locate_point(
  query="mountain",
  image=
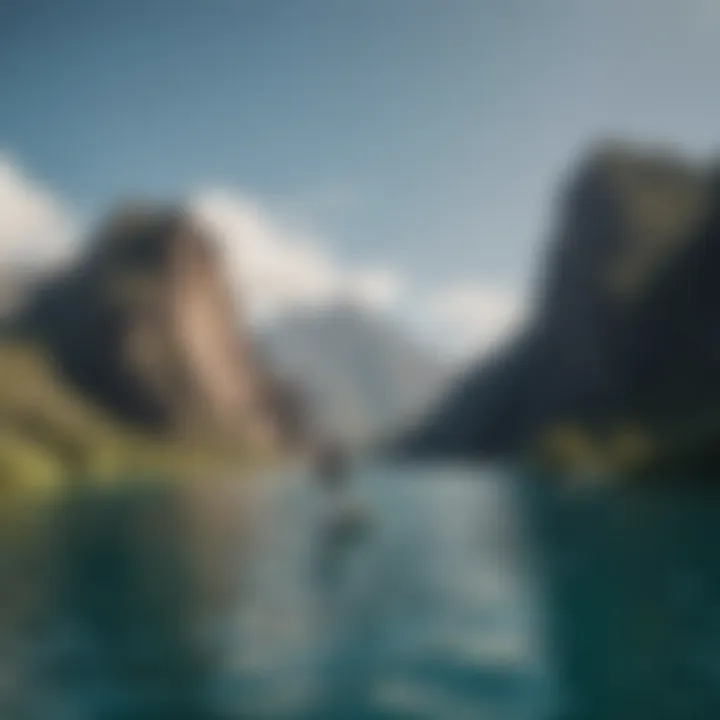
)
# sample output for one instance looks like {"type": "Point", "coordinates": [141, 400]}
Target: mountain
{"type": "Point", "coordinates": [144, 326]}
{"type": "Point", "coordinates": [18, 284]}
{"type": "Point", "coordinates": [360, 375]}
{"type": "Point", "coordinates": [625, 330]}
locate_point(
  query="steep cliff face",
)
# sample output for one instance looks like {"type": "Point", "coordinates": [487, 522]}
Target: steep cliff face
{"type": "Point", "coordinates": [627, 220]}
{"type": "Point", "coordinates": [623, 328]}
{"type": "Point", "coordinates": [145, 324]}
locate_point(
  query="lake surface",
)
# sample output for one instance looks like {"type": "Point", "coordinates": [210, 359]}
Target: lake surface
{"type": "Point", "coordinates": [470, 594]}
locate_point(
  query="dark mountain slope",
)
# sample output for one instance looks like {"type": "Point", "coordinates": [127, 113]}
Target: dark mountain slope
{"type": "Point", "coordinates": [625, 326]}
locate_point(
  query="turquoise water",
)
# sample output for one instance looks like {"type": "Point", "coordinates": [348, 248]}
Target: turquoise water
{"type": "Point", "coordinates": [430, 614]}
{"type": "Point", "coordinates": [469, 594]}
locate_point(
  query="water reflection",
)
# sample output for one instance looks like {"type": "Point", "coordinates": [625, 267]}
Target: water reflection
{"type": "Point", "coordinates": [135, 582]}
{"type": "Point", "coordinates": [633, 593]}
{"type": "Point", "coordinates": [470, 594]}
{"type": "Point", "coordinates": [137, 609]}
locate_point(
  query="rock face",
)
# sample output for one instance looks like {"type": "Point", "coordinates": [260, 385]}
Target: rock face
{"type": "Point", "coordinates": [625, 325]}
{"type": "Point", "coordinates": [145, 324]}
{"type": "Point", "coordinates": [17, 287]}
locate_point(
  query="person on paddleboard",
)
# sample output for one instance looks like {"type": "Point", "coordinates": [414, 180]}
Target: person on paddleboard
{"type": "Point", "coordinates": [342, 516]}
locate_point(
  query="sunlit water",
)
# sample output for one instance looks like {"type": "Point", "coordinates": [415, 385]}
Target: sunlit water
{"type": "Point", "coordinates": [430, 613]}
{"type": "Point", "coordinates": [469, 594]}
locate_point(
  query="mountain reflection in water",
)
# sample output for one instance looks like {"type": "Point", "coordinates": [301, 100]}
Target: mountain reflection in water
{"type": "Point", "coordinates": [471, 594]}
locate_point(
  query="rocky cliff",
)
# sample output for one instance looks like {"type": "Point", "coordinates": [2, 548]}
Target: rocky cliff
{"type": "Point", "coordinates": [625, 325]}
{"type": "Point", "coordinates": [145, 325]}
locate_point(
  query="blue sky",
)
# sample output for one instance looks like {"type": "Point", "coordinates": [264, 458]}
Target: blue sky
{"type": "Point", "coordinates": [424, 136]}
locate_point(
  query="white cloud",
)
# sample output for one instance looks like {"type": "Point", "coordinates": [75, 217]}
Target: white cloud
{"type": "Point", "coordinates": [380, 288]}
{"type": "Point", "coordinates": [275, 266]}
{"type": "Point", "coordinates": [35, 227]}
{"type": "Point", "coordinates": [280, 268]}
{"type": "Point", "coordinates": [475, 317]}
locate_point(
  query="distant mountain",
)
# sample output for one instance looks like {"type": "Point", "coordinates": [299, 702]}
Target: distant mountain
{"type": "Point", "coordinates": [360, 375]}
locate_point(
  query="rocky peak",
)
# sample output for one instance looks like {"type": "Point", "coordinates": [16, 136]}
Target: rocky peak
{"type": "Point", "coordinates": [625, 212]}
{"type": "Point", "coordinates": [146, 323]}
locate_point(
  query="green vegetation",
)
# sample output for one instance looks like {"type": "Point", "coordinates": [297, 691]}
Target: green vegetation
{"type": "Point", "coordinates": [51, 436]}
{"type": "Point", "coordinates": [619, 450]}
{"type": "Point", "coordinates": [653, 450]}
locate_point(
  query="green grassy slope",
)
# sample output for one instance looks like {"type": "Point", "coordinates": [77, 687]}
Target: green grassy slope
{"type": "Point", "coordinates": [50, 435]}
